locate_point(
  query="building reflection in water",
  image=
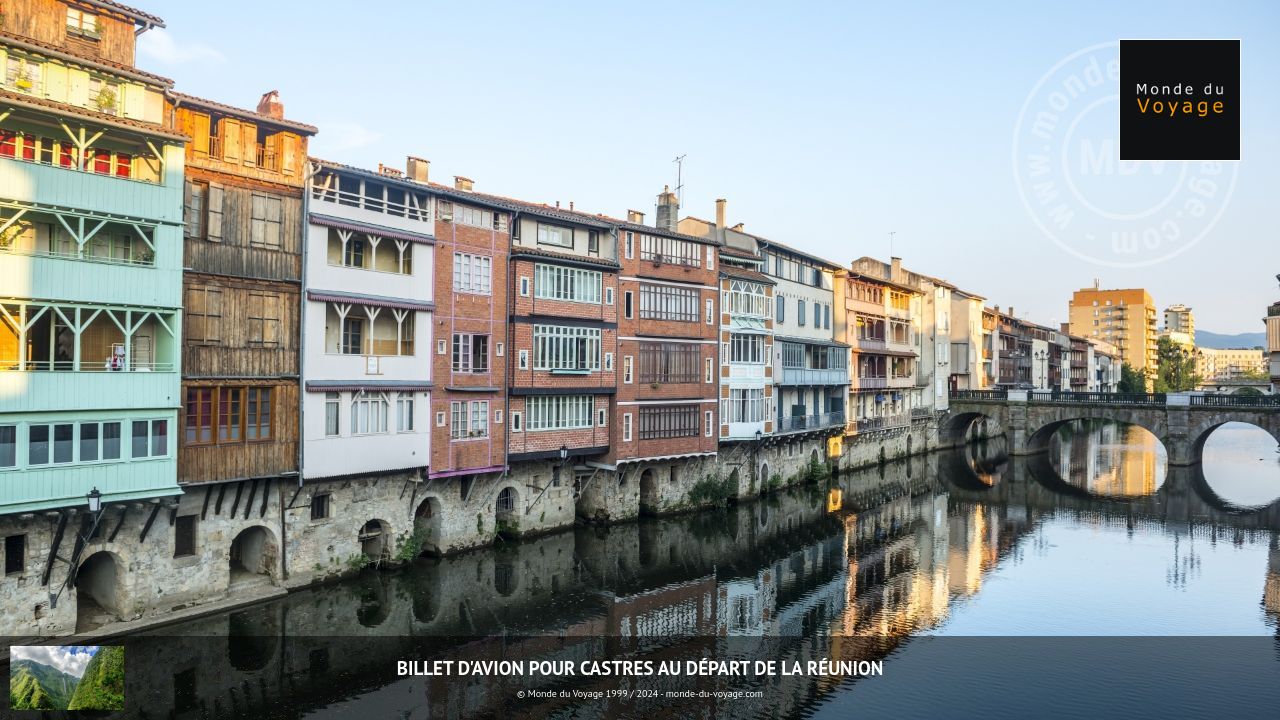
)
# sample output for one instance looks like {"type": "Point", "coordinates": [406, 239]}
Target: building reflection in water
{"type": "Point", "coordinates": [1109, 459]}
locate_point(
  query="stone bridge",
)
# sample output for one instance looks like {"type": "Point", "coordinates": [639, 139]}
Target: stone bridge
{"type": "Point", "coordinates": [1181, 422]}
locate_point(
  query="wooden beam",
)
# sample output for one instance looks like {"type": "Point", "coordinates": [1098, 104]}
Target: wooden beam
{"type": "Point", "coordinates": [413, 498]}
{"type": "Point", "coordinates": [173, 515]}
{"type": "Point", "coordinates": [295, 497]}
{"type": "Point", "coordinates": [248, 503]}
{"type": "Point", "coordinates": [124, 512]}
{"type": "Point", "coordinates": [53, 547]}
{"type": "Point", "coordinates": [146, 527]}
{"type": "Point", "coordinates": [85, 525]}
{"type": "Point", "coordinates": [222, 491]}
{"type": "Point", "coordinates": [204, 511]}
{"type": "Point", "coordinates": [236, 504]}
{"type": "Point", "coordinates": [266, 495]}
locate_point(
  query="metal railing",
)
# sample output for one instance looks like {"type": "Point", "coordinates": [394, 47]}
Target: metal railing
{"type": "Point", "coordinates": [810, 422]}
{"type": "Point", "coordinates": [1098, 398]}
{"type": "Point", "coordinates": [979, 394]}
{"type": "Point", "coordinates": [1236, 400]}
{"type": "Point", "coordinates": [1116, 398]}
{"type": "Point", "coordinates": [887, 422]}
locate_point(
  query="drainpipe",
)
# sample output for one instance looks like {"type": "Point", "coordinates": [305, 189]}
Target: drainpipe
{"type": "Point", "coordinates": [511, 351]}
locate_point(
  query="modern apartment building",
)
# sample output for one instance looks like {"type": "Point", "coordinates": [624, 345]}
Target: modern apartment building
{"type": "Point", "coordinates": [1124, 318]}
{"type": "Point", "coordinates": [242, 281]}
{"type": "Point", "coordinates": [1180, 319]}
{"type": "Point", "coordinates": [1231, 363]}
{"type": "Point", "coordinates": [91, 257]}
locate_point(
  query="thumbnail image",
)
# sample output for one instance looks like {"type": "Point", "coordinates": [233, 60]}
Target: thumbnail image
{"type": "Point", "coordinates": [73, 677]}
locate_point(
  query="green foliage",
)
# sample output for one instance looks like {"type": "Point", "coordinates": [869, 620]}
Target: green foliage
{"type": "Point", "coordinates": [1132, 380]}
{"type": "Point", "coordinates": [410, 546]}
{"type": "Point", "coordinates": [712, 490]}
{"type": "Point", "coordinates": [773, 483]}
{"type": "Point", "coordinates": [102, 687]}
{"type": "Point", "coordinates": [36, 686]}
{"type": "Point", "coordinates": [815, 471]}
{"type": "Point", "coordinates": [357, 561]}
{"type": "Point", "coordinates": [1176, 365]}
{"type": "Point", "coordinates": [507, 527]}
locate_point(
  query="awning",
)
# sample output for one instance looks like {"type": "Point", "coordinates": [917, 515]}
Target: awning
{"type": "Point", "coordinates": [372, 385]}
{"type": "Point", "coordinates": [749, 326]}
{"type": "Point", "coordinates": [369, 300]}
{"type": "Point", "coordinates": [369, 229]}
{"type": "Point", "coordinates": [890, 353]}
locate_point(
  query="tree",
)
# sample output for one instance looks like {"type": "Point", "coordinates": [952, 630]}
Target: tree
{"type": "Point", "coordinates": [1132, 380]}
{"type": "Point", "coordinates": [1176, 367]}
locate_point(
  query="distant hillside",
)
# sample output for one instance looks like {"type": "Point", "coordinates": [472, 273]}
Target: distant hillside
{"type": "Point", "coordinates": [1204, 338]}
{"type": "Point", "coordinates": [36, 686]}
{"type": "Point", "coordinates": [102, 687]}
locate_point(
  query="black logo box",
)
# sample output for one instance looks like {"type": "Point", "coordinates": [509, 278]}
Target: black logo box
{"type": "Point", "coordinates": [1187, 68]}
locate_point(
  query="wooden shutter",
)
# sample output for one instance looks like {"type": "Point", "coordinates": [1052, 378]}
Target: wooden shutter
{"type": "Point", "coordinates": [229, 131]}
{"type": "Point", "coordinates": [249, 146]}
{"type": "Point", "coordinates": [214, 230]}
{"type": "Point", "coordinates": [288, 153]}
{"type": "Point", "coordinates": [198, 129]}
{"type": "Point", "coordinates": [258, 220]}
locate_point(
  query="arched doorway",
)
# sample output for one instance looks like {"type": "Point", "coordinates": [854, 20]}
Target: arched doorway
{"type": "Point", "coordinates": [253, 556]}
{"type": "Point", "coordinates": [426, 523]}
{"type": "Point", "coordinates": [373, 541]}
{"type": "Point", "coordinates": [99, 595]}
{"type": "Point", "coordinates": [763, 479]}
{"type": "Point", "coordinates": [648, 492]}
{"type": "Point", "coordinates": [504, 511]}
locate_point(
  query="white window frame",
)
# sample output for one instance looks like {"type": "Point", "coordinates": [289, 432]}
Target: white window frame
{"type": "Point", "coordinates": [556, 282]}
{"type": "Point", "coordinates": [626, 427]}
{"type": "Point", "coordinates": [404, 412]}
{"type": "Point", "coordinates": [472, 274]}
{"type": "Point", "coordinates": [558, 348]}
{"type": "Point", "coordinates": [709, 421]}
{"type": "Point", "coordinates": [517, 424]}
{"type": "Point", "coordinates": [370, 413]}
{"type": "Point", "coordinates": [710, 369]}
{"type": "Point", "coordinates": [523, 362]}
{"type": "Point", "coordinates": [559, 412]}
{"type": "Point", "coordinates": [628, 368]}
{"type": "Point", "coordinates": [468, 420]}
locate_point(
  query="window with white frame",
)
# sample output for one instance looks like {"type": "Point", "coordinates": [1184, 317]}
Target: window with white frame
{"type": "Point", "coordinates": [469, 419]}
{"type": "Point", "coordinates": [746, 298]}
{"type": "Point", "coordinates": [470, 353]}
{"type": "Point", "coordinates": [517, 422]}
{"type": "Point", "coordinates": [404, 412]}
{"type": "Point", "coordinates": [629, 247]}
{"type": "Point", "coordinates": [744, 406]}
{"type": "Point", "coordinates": [332, 406]}
{"type": "Point", "coordinates": [626, 427]}
{"type": "Point", "coordinates": [369, 413]}
{"type": "Point", "coordinates": [708, 423]}
{"type": "Point", "coordinates": [669, 250]}
{"type": "Point", "coordinates": [82, 23]}
{"type": "Point", "coordinates": [664, 302]}
{"type": "Point", "coordinates": [476, 217]}
{"type": "Point", "coordinates": [553, 282]}
{"type": "Point", "coordinates": [627, 368]}
{"type": "Point", "coordinates": [559, 412]}
{"type": "Point", "coordinates": [472, 273]}
{"type": "Point", "coordinates": [748, 349]}
{"type": "Point", "coordinates": [557, 347]}
{"type": "Point", "coordinates": [555, 235]}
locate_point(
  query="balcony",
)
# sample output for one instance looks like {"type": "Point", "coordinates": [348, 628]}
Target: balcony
{"type": "Point", "coordinates": [800, 423]}
{"type": "Point", "coordinates": [744, 371]}
{"type": "Point", "coordinates": [869, 383]}
{"type": "Point", "coordinates": [85, 391]}
{"type": "Point", "coordinates": [886, 422]}
{"type": "Point", "coordinates": [814, 376]}
{"type": "Point", "coordinates": [27, 182]}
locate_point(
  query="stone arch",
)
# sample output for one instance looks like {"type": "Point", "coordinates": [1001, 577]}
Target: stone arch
{"type": "Point", "coordinates": [506, 509]}
{"type": "Point", "coordinates": [814, 458]}
{"type": "Point", "coordinates": [252, 636]}
{"type": "Point", "coordinates": [1043, 423]}
{"type": "Point", "coordinates": [763, 475]}
{"type": "Point", "coordinates": [1199, 434]}
{"type": "Point", "coordinates": [649, 498]}
{"type": "Point", "coordinates": [254, 553]}
{"type": "Point", "coordinates": [375, 540]}
{"type": "Point", "coordinates": [955, 429]}
{"type": "Point", "coordinates": [428, 521]}
{"type": "Point", "coordinates": [101, 596]}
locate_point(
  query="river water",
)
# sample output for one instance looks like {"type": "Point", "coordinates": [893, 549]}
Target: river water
{"type": "Point", "coordinates": [1093, 581]}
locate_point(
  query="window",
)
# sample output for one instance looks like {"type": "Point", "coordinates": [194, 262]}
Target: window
{"type": "Point", "coordinates": [404, 412]}
{"type": "Point", "coordinates": [553, 282]}
{"type": "Point", "coordinates": [81, 23]}
{"type": "Point", "coordinates": [668, 421]}
{"type": "Point", "coordinates": [711, 258]}
{"type": "Point", "coordinates": [472, 273]}
{"type": "Point", "coordinates": [629, 249]}
{"type": "Point", "coordinates": [38, 445]}
{"type": "Point", "coordinates": [561, 348]}
{"type": "Point", "coordinates": [469, 419]}
{"type": "Point", "coordinates": [626, 369]}
{"type": "Point", "coordinates": [554, 235]}
{"type": "Point", "coordinates": [559, 412]}
{"type": "Point", "coordinates": [709, 370]}
{"type": "Point", "coordinates": [524, 287]}
{"type": "Point", "coordinates": [473, 216]}
{"type": "Point", "coordinates": [711, 311]}
{"type": "Point", "coordinates": [184, 536]}
{"type": "Point", "coordinates": [197, 201]}
{"type": "Point", "coordinates": [782, 309]}
{"type": "Point", "coordinates": [662, 302]}
{"type": "Point", "coordinates": [608, 361]}
{"type": "Point", "coordinates": [369, 414]}
{"type": "Point", "coordinates": [517, 422]}
{"type": "Point", "coordinates": [826, 317]}
{"type": "Point", "coordinates": [669, 250]}
{"type": "Point", "coordinates": [708, 423]}
{"type": "Point", "coordinates": [593, 242]}
{"type": "Point", "coordinates": [204, 315]}
{"type": "Point", "coordinates": [230, 414]}
{"type": "Point", "coordinates": [15, 554]}
{"type": "Point", "coordinates": [626, 427]}
{"type": "Point", "coordinates": [320, 506]}
{"type": "Point", "coordinates": [745, 405]}
{"type": "Point", "coordinates": [257, 424]}
{"type": "Point", "coordinates": [523, 360]}
{"type": "Point", "coordinates": [440, 419]}
{"type": "Point", "coordinates": [746, 349]}
{"type": "Point", "coordinates": [8, 446]}
{"type": "Point", "coordinates": [626, 305]}
{"type": "Point", "coordinates": [470, 353]}
{"type": "Point", "coordinates": [745, 298]}
{"type": "Point", "coordinates": [264, 320]}
{"type": "Point", "coordinates": [669, 362]}
{"type": "Point", "coordinates": [497, 416]}
{"type": "Point", "coordinates": [332, 406]}
{"type": "Point", "coordinates": [792, 355]}
{"type": "Point", "coordinates": [111, 441]}
{"type": "Point", "coordinates": [199, 430]}
{"type": "Point", "coordinates": [353, 252]}
{"type": "Point", "coordinates": [264, 221]}
{"type": "Point", "coordinates": [150, 438]}
{"type": "Point", "coordinates": [608, 296]}
{"type": "Point", "coordinates": [800, 313]}
{"type": "Point", "coordinates": [602, 417]}
{"type": "Point", "coordinates": [352, 335]}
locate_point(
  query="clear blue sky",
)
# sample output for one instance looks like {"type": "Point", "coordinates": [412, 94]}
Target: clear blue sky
{"type": "Point", "coordinates": [825, 125]}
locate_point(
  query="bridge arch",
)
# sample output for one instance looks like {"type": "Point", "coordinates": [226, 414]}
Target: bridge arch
{"type": "Point", "coordinates": [956, 429]}
{"type": "Point", "coordinates": [1043, 422]}
{"type": "Point", "coordinates": [1200, 432]}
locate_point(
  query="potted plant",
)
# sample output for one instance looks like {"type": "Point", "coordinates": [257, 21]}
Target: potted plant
{"type": "Point", "coordinates": [106, 99]}
{"type": "Point", "coordinates": [24, 81]}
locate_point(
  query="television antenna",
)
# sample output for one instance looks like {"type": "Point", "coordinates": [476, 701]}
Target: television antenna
{"type": "Point", "coordinates": [679, 161]}
{"type": "Point", "coordinates": [891, 234]}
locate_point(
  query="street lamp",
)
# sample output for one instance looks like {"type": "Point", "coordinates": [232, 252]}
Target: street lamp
{"type": "Point", "coordinates": [95, 501]}
{"type": "Point", "coordinates": [94, 497]}
{"type": "Point", "coordinates": [564, 453]}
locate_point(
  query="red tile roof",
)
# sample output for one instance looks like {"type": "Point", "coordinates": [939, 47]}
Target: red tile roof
{"type": "Point", "coordinates": [45, 48]}
{"type": "Point", "coordinates": [184, 98]}
{"type": "Point", "coordinates": [41, 104]}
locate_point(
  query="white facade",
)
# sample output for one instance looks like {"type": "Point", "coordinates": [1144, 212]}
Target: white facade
{"type": "Point", "coordinates": [367, 324]}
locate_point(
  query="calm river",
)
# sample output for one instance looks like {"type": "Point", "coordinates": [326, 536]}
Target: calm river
{"type": "Point", "coordinates": [1093, 582]}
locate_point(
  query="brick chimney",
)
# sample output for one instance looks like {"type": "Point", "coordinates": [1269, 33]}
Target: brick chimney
{"type": "Point", "coordinates": [635, 216]}
{"type": "Point", "coordinates": [895, 269]}
{"type": "Point", "coordinates": [462, 183]}
{"type": "Point", "coordinates": [271, 106]}
{"type": "Point", "coordinates": [721, 211]}
{"type": "Point", "coordinates": [668, 210]}
{"type": "Point", "coordinates": [417, 169]}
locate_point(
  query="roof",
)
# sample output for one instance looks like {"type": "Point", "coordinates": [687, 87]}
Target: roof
{"type": "Point", "coordinates": [518, 250]}
{"type": "Point", "coordinates": [810, 341]}
{"type": "Point", "coordinates": [767, 243]}
{"type": "Point", "coordinates": [133, 13]}
{"type": "Point", "coordinates": [651, 230]}
{"type": "Point", "coordinates": [540, 209]}
{"type": "Point", "coordinates": [28, 101]}
{"type": "Point", "coordinates": [45, 48]}
{"type": "Point", "coordinates": [232, 110]}
{"type": "Point", "coordinates": [745, 274]}
{"type": "Point", "coordinates": [357, 385]}
{"type": "Point", "coordinates": [369, 229]}
{"type": "Point", "coordinates": [403, 182]}
{"type": "Point", "coordinates": [881, 281]}
{"type": "Point", "coordinates": [738, 252]}
{"type": "Point", "coordinates": [369, 300]}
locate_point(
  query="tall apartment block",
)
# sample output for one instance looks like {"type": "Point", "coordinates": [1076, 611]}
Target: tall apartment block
{"type": "Point", "coordinates": [91, 257]}
{"type": "Point", "coordinates": [1124, 318]}
{"type": "Point", "coordinates": [1180, 323]}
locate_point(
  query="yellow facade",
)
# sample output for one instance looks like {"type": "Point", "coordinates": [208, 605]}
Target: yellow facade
{"type": "Point", "coordinates": [1124, 318]}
